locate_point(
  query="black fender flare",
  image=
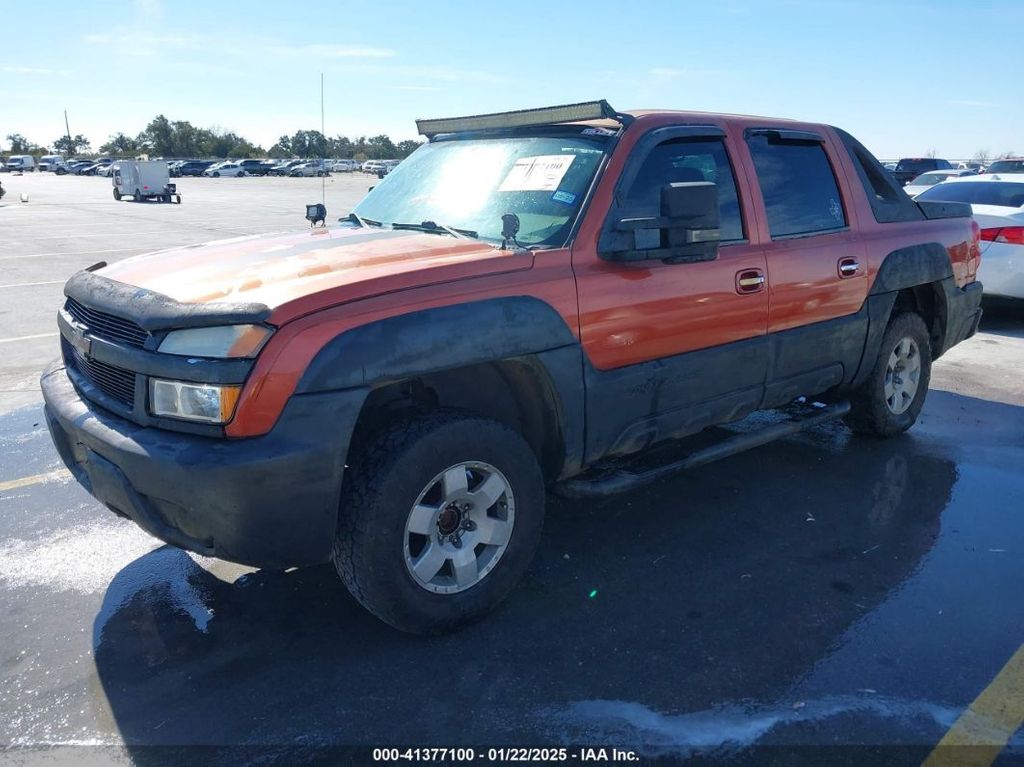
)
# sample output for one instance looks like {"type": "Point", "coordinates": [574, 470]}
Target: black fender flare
{"type": "Point", "coordinates": [916, 266]}
{"type": "Point", "coordinates": [912, 266]}
{"type": "Point", "coordinates": [460, 335]}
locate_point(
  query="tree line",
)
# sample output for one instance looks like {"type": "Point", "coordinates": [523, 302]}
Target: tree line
{"type": "Point", "coordinates": [180, 138]}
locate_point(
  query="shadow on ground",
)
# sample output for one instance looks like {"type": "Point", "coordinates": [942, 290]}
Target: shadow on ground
{"type": "Point", "coordinates": [724, 584]}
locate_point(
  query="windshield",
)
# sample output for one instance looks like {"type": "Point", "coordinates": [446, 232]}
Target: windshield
{"type": "Point", "coordinates": [1004, 193]}
{"type": "Point", "coordinates": [929, 179]}
{"type": "Point", "coordinates": [469, 184]}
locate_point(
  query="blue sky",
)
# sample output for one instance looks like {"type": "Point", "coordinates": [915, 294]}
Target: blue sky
{"type": "Point", "coordinates": [904, 77]}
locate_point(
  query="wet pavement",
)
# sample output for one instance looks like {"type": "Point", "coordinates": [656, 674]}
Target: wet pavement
{"type": "Point", "coordinates": [826, 598]}
{"type": "Point", "coordinates": [822, 590]}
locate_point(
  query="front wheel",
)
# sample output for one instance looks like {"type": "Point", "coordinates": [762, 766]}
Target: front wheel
{"type": "Point", "coordinates": [439, 520]}
{"type": "Point", "coordinates": [891, 398]}
{"type": "Point", "coordinates": [117, 195]}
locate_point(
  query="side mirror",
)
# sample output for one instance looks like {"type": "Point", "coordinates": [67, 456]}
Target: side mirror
{"type": "Point", "coordinates": [687, 229]}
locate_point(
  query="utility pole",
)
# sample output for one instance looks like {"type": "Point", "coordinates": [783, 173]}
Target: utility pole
{"type": "Point", "coordinates": [71, 147]}
{"type": "Point", "coordinates": [323, 133]}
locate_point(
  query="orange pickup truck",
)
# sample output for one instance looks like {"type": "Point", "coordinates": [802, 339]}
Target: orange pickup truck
{"type": "Point", "coordinates": [526, 302]}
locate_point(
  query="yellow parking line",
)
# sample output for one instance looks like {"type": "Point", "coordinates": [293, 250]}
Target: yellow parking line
{"type": "Point", "coordinates": [35, 479]}
{"type": "Point", "coordinates": [984, 729]}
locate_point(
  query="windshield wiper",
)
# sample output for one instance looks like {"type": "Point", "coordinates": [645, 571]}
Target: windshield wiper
{"type": "Point", "coordinates": [431, 226]}
{"type": "Point", "coordinates": [355, 218]}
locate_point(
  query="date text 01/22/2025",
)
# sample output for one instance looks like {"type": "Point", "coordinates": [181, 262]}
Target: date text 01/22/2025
{"type": "Point", "coordinates": [504, 754]}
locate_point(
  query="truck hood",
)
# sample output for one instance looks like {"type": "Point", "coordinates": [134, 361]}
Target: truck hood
{"type": "Point", "coordinates": [274, 270]}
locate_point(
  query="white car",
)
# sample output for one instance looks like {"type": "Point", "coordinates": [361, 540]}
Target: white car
{"type": "Point", "coordinates": [931, 178]}
{"type": "Point", "coordinates": [314, 168]}
{"type": "Point", "coordinates": [224, 169]}
{"type": "Point", "coordinates": [345, 166]}
{"type": "Point", "coordinates": [997, 201]}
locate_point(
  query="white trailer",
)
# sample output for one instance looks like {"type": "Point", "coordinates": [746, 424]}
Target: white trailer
{"type": "Point", "coordinates": [143, 181]}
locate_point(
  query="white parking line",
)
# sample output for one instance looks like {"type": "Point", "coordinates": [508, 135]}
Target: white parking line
{"type": "Point", "coordinates": [31, 284]}
{"type": "Point", "coordinates": [68, 253]}
{"type": "Point", "coordinates": [28, 338]}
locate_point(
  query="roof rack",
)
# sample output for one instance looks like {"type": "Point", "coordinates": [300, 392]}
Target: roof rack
{"type": "Point", "coordinates": [585, 110]}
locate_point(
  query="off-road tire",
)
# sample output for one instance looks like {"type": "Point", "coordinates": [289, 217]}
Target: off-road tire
{"type": "Point", "coordinates": [869, 411]}
{"type": "Point", "coordinates": [384, 479]}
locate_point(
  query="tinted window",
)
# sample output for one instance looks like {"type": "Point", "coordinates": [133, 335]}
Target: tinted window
{"type": "Point", "coordinates": [916, 166]}
{"type": "Point", "coordinates": [800, 192]}
{"type": "Point", "coordinates": [1006, 166]}
{"type": "Point", "coordinates": [683, 160]}
{"type": "Point", "coordinates": [1005, 193]}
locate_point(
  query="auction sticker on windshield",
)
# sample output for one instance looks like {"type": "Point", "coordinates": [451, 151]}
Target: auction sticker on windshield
{"type": "Point", "coordinates": [537, 174]}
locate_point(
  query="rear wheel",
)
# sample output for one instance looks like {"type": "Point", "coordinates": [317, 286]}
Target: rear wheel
{"type": "Point", "coordinates": [439, 520]}
{"type": "Point", "coordinates": [891, 398]}
{"type": "Point", "coordinates": [138, 195]}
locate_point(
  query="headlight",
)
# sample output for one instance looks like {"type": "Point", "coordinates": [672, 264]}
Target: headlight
{"type": "Point", "coordinates": [208, 403]}
{"type": "Point", "coordinates": [222, 341]}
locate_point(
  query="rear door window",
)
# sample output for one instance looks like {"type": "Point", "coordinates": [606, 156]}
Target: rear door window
{"type": "Point", "coordinates": [801, 195]}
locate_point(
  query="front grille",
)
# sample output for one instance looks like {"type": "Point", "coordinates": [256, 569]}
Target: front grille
{"type": "Point", "coordinates": [113, 381]}
{"type": "Point", "coordinates": [106, 325]}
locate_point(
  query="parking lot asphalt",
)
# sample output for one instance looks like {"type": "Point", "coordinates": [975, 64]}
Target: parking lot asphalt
{"type": "Point", "coordinates": [823, 591]}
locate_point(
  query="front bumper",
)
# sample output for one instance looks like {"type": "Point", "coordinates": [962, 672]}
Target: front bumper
{"type": "Point", "coordinates": [269, 501]}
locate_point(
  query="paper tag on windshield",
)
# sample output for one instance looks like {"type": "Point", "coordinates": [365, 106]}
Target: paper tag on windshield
{"type": "Point", "coordinates": [537, 174]}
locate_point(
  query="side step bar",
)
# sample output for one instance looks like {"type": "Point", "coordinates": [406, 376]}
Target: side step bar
{"type": "Point", "coordinates": [623, 479]}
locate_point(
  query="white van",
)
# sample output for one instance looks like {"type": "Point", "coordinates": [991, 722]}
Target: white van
{"type": "Point", "coordinates": [50, 162]}
{"type": "Point", "coordinates": [22, 162]}
{"type": "Point", "coordinates": [142, 181]}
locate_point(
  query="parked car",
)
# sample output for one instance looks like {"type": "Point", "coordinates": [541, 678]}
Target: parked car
{"type": "Point", "coordinates": [256, 167]}
{"type": "Point", "coordinates": [224, 169]}
{"type": "Point", "coordinates": [191, 168]}
{"type": "Point", "coordinates": [933, 177]}
{"type": "Point", "coordinates": [402, 414]}
{"type": "Point", "coordinates": [997, 202]}
{"type": "Point", "coordinates": [889, 166]}
{"type": "Point", "coordinates": [284, 168]}
{"type": "Point", "coordinates": [75, 167]}
{"type": "Point", "coordinates": [373, 166]}
{"type": "Point", "coordinates": [96, 167]}
{"type": "Point", "coordinates": [974, 165]}
{"type": "Point", "coordinates": [345, 166]}
{"type": "Point", "coordinates": [313, 168]}
{"type": "Point", "coordinates": [1009, 165]}
{"type": "Point", "coordinates": [26, 163]}
{"type": "Point", "coordinates": [910, 168]}
{"type": "Point", "coordinates": [50, 162]}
